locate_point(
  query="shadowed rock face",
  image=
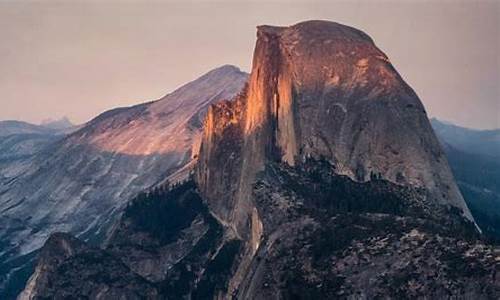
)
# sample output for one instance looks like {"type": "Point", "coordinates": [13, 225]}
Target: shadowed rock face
{"type": "Point", "coordinates": [104, 276]}
{"type": "Point", "coordinates": [323, 90]}
{"type": "Point", "coordinates": [144, 258]}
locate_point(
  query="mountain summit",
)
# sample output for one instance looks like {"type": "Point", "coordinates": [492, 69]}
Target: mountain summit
{"type": "Point", "coordinates": [320, 89]}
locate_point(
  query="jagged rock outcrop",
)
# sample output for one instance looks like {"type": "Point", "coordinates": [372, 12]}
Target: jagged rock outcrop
{"type": "Point", "coordinates": [80, 183]}
{"type": "Point", "coordinates": [102, 277]}
{"type": "Point", "coordinates": [145, 257]}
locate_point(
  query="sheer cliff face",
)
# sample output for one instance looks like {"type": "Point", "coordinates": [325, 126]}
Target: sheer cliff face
{"type": "Point", "coordinates": [323, 90]}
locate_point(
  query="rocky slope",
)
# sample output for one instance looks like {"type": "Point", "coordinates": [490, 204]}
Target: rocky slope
{"type": "Point", "coordinates": [116, 279]}
{"type": "Point", "coordinates": [321, 179]}
{"type": "Point", "coordinates": [166, 256]}
{"type": "Point", "coordinates": [324, 236]}
{"type": "Point", "coordinates": [22, 146]}
{"type": "Point", "coordinates": [79, 184]}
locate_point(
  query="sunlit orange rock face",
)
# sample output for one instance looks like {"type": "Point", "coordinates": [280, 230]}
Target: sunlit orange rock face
{"type": "Point", "coordinates": [162, 126]}
{"type": "Point", "coordinates": [322, 90]}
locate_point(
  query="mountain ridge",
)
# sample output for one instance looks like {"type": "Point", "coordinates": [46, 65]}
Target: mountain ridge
{"type": "Point", "coordinates": [10, 127]}
{"type": "Point", "coordinates": [476, 170]}
{"type": "Point", "coordinates": [80, 183]}
{"type": "Point", "coordinates": [484, 142]}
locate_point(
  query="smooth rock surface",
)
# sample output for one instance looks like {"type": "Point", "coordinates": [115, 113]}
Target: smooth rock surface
{"type": "Point", "coordinates": [323, 90]}
{"type": "Point", "coordinates": [80, 183]}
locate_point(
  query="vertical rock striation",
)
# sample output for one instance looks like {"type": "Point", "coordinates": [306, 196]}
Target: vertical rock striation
{"type": "Point", "coordinates": [319, 90]}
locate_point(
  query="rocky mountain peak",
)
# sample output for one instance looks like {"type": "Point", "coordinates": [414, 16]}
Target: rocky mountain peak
{"type": "Point", "coordinates": [224, 69]}
{"type": "Point", "coordinates": [61, 244]}
{"type": "Point", "coordinates": [320, 89]}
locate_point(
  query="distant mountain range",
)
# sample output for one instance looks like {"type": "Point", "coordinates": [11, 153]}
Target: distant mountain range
{"type": "Point", "coordinates": [11, 127]}
{"type": "Point", "coordinates": [474, 141]}
{"type": "Point", "coordinates": [20, 140]}
{"type": "Point", "coordinates": [474, 157]}
{"type": "Point", "coordinates": [62, 124]}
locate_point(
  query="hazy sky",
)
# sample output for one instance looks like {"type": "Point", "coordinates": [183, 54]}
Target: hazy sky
{"type": "Point", "coordinates": [78, 59]}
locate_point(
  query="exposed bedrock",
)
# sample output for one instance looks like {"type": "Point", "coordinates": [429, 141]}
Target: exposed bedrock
{"type": "Point", "coordinates": [318, 90]}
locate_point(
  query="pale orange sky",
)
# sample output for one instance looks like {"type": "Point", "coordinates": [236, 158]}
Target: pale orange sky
{"type": "Point", "coordinates": [78, 59]}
